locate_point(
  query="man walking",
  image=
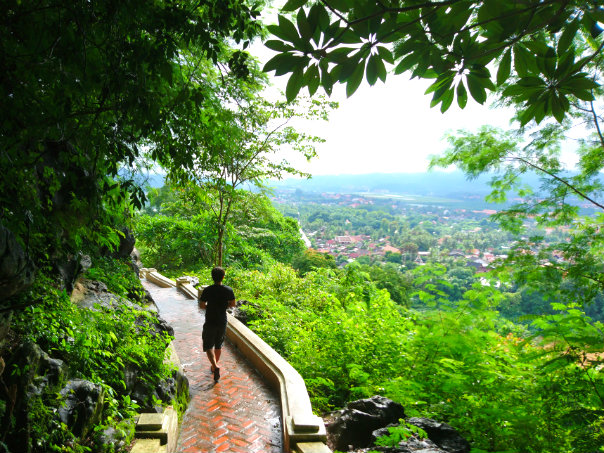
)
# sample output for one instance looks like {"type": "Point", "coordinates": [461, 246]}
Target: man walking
{"type": "Point", "coordinates": [215, 299]}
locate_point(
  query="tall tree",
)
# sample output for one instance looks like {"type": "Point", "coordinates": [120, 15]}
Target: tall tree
{"type": "Point", "coordinates": [83, 86]}
{"type": "Point", "coordinates": [240, 150]}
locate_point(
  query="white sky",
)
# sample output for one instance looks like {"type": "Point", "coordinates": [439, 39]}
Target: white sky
{"type": "Point", "coordinates": [390, 128]}
{"type": "Point", "coordinates": [387, 128]}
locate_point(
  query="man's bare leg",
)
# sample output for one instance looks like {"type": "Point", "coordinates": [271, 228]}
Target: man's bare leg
{"type": "Point", "coordinates": [217, 353]}
{"type": "Point", "coordinates": [212, 357]}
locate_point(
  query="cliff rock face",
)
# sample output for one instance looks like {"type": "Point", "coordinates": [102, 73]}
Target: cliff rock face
{"type": "Point", "coordinates": [16, 269]}
{"type": "Point", "coordinates": [91, 293]}
{"type": "Point", "coordinates": [35, 386]}
{"type": "Point", "coordinates": [70, 268]}
{"type": "Point", "coordinates": [37, 370]}
{"type": "Point", "coordinates": [82, 406]}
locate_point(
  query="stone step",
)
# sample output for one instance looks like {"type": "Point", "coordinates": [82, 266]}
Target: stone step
{"type": "Point", "coordinates": [160, 427]}
{"type": "Point", "coordinates": [150, 422]}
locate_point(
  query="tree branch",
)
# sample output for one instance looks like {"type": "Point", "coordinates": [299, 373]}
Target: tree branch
{"type": "Point", "coordinates": [557, 178]}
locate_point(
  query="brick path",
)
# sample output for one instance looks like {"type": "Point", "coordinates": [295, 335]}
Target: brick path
{"type": "Point", "coordinates": [240, 413]}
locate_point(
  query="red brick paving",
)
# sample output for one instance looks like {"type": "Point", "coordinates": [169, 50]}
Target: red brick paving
{"type": "Point", "coordinates": [240, 413]}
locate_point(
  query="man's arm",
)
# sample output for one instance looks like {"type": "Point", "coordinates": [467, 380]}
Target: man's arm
{"type": "Point", "coordinates": [201, 303]}
{"type": "Point", "coordinates": [232, 303]}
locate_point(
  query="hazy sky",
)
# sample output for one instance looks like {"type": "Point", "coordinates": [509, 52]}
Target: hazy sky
{"type": "Point", "coordinates": [390, 128]}
{"type": "Point", "coordinates": [387, 128]}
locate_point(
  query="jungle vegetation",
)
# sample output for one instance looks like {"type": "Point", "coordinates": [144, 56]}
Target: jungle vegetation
{"type": "Point", "coordinates": [96, 93]}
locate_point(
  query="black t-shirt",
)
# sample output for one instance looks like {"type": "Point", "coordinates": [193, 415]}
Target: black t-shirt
{"type": "Point", "coordinates": [217, 299]}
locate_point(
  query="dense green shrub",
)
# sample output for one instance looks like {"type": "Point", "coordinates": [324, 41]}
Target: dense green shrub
{"type": "Point", "coordinates": [460, 363]}
{"type": "Point", "coordinates": [170, 243]}
{"type": "Point", "coordinates": [97, 345]}
{"type": "Point", "coordinates": [256, 237]}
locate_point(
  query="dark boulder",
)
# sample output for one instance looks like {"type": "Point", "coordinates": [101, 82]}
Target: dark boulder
{"type": "Point", "coordinates": [165, 390]}
{"type": "Point", "coordinates": [16, 269]}
{"type": "Point", "coordinates": [169, 389]}
{"type": "Point", "coordinates": [126, 245]}
{"type": "Point", "coordinates": [411, 445]}
{"type": "Point", "coordinates": [111, 439]}
{"type": "Point", "coordinates": [443, 435]}
{"type": "Point", "coordinates": [70, 268]}
{"type": "Point", "coordinates": [354, 425]}
{"type": "Point", "coordinates": [82, 406]}
{"type": "Point", "coordinates": [386, 409]}
{"type": "Point", "coordinates": [38, 369]}
{"type": "Point", "coordinates": [240, 313]}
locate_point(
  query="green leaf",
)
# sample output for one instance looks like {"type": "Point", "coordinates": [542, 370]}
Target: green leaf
{"type": "Point", "coordinates": [476, 87]}
{"type": "Point", "coordinates": [462, 95]}
{"type": "Point", "coordinates": [381, 70]}
{"type": "Point", "coordinates": [541, 109]}
{"type": "Point", "coordinates": [580, 81]}
{"type": "Point", "coordinates": [286, 30]}
{"type": "Point", "coordinates": [312, 79]}
{"type": "Point", "coordinates": [276, 62]}
{"type": "Point", "coordinates": [279, 46]}
{"type": "Point", "coordinates": [442, 81]}
{"type": "Point", "coordinates": [323, 16]}
{"type": "Point", "coordinates": [341, 5]}
{"type": "Point", "coordinates": [339, 55]}
{"type": "Point", "coordinates": [505, 67]}
{"type": "Point", "coordinates": [284, 63]}
{"type": "Point", "coordinates": [305, 30]}
{"type": "Point", "coordinates": [531, 82]}
{"type": "Point", "coordinates": [355, 79]}
{"type": "Point", "coordinates": [351, 37]}
{"type": "Point", "coordinates": [567, 36]}
{"type": "Point", "coordinates": [371, 72]}
{"type": "Point", "coordinates": [557, 109]}
{"type": "Point", "coordinates": [406, 63]}
{"type": "Point", "coordinates": [447, 100]}
{"type": "Point", "coordinates": [294, 84]}
{"type": "Point", "coordinates": [292, 5]}
{"type": "Point", "coordinates": [527, 115]}
{"type": "Point", "coordinates": [584, 95]}
{"type": "Point", "coordinates": [385, 54]}
{"type": "Point", "coordinates": [565, 63]}
{"type": "Point", "coordinates": [521, 60]}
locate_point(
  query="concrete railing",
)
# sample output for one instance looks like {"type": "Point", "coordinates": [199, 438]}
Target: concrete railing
{"type": "Point", "coordinates": [303, 431]}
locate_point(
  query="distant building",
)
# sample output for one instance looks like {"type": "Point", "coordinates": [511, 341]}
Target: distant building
{"type": "Point", "coordinates": [479, 265]}
{"type": "Point", "coordinates": [486, 211]}
{"type": "Point", "coordinates": [389, 248]}
{"type": "Point", "coordinates": [488, 257]}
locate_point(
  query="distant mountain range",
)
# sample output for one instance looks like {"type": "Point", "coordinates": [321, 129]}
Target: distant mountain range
{"type": "Point", "coordinates": [434, 184]}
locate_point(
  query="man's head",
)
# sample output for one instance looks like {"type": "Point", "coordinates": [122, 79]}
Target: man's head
{"type": "Point", "coordinates": [217, 274]}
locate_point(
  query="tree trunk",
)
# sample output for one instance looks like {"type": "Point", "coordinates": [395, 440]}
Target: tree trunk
{"type": "Point", "coordinates": [219, 245]}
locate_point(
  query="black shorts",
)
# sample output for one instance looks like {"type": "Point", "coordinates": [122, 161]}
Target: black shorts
{"type": "Point", "coordinates": [213, 336]}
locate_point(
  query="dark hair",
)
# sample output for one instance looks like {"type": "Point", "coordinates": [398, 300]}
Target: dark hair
{"type": "Point", "coordinates": [217, 274]}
